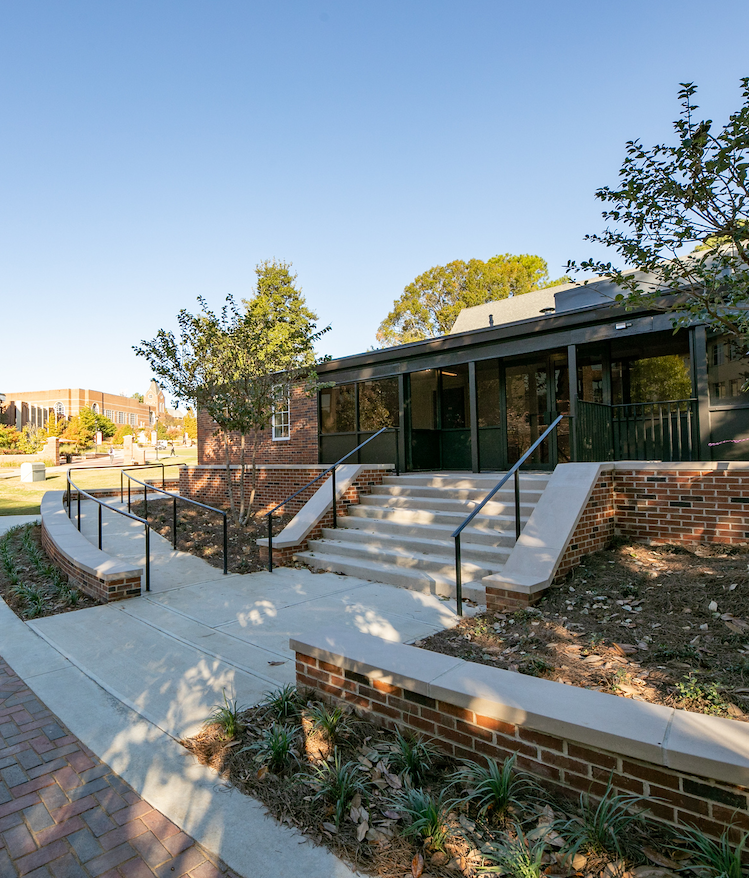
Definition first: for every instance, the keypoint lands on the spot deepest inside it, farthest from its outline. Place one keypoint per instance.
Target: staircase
(400, 534)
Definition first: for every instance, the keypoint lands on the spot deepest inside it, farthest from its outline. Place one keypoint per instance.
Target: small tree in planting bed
(237, 364)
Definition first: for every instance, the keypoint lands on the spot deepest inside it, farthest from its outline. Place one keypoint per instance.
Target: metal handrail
(332, 468)
(514, 471)
(176, 497)
(127, 514)
(140, 468)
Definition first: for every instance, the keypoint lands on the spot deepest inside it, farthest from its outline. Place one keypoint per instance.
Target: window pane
(455, 397)
(337, 409)
(487, 393)
(378, 404)
(727, 372)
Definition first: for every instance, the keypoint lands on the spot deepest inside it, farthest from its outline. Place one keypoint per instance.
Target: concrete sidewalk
(132, 678)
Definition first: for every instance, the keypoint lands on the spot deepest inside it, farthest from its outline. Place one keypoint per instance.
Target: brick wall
(300, 448)
(567, 766)
(274, 483)
(106, 590)
(683, 505)
(595, 528)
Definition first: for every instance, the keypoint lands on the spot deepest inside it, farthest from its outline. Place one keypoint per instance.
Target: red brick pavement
(65, 814)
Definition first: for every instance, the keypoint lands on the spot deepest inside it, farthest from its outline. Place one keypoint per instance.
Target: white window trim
(286, 410)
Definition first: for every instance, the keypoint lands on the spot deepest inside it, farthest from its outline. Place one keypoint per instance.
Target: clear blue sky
(152, 152)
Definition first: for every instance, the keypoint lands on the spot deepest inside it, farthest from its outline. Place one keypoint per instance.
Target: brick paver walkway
(65, 814)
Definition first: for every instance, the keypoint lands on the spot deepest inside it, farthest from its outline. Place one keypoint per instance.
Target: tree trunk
(253, 486)
(242, 444)
(229, 485)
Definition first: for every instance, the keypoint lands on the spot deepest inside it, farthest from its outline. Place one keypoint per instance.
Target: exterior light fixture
(622, 325)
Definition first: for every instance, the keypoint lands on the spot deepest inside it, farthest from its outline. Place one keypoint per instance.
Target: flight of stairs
(401, 533)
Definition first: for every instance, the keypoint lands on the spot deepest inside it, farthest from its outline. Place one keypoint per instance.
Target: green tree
(120, 433)
(235, 364)
(32, 439)
(430, 304)
(161, 430)
(9, 437)
(670, 197)
(191, 424)
(94, 422)
(138, 397)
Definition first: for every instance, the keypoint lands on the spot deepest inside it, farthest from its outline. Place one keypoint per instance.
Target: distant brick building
(33, 407)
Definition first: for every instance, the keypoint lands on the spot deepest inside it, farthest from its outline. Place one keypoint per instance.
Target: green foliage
(137, 396)
(227, 717)
(428, 816)
(234, 364)
(430, 304)
(78, 433)
(719, 859)
(657, 378)
(9, 437)
(707, 695)
(191, 424)
(93, 422)
(675, 196)
(161, 431)
(496, 788)
(605, 828)
(333, 721)
(122, 431)
(31, 440)
(413, 755)
(518, 856)
(275, 749)
(284, 703)
(338, 783)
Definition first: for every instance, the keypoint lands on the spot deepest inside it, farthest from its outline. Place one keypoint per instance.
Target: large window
(727, 372)
(338, 409)
(378, 404)
(59, 410)
(281, 418)
(655, 369)
(487, 393)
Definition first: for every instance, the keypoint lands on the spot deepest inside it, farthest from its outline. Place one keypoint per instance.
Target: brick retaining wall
(675, 797)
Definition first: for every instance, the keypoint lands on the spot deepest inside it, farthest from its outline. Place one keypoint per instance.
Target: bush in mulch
(663, 624)
(30, 583)
(393, 805)
(201, 532)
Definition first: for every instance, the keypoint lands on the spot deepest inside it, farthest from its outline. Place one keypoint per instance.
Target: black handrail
(269, 515)
(128, 514)
(514, 471)
(176, 497)
(141, 467)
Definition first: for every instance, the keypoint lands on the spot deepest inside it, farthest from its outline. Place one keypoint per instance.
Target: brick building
(33, 407)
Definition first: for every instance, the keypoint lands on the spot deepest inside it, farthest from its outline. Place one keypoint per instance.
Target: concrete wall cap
(698, 744)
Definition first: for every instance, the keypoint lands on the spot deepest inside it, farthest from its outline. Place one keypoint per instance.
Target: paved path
(64, 813)
(132, 678)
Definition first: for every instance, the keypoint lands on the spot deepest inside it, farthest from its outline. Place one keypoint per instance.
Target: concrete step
(424, 516)
(504, 495)
(493, 557)
(398, 556)
(384, 526)
(390, 574)
(470, 481)
(446, 504)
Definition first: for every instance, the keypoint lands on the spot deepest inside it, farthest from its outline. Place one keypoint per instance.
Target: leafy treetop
(430, 304)
(670, 197)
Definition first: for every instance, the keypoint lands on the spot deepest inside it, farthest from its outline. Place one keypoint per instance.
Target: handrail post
(397, 454)
(70, 514)
(270, 542)
(517, 504)
(122, 494)
(128, 493)
(145, 500)
(174, 523)
(100, 508)
(226, 543)
(335, 503)
(148, 558)
(458, 577)
(79, 511)
(163, 477)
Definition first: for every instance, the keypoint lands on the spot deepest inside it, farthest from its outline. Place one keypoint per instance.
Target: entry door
(440, 434)
(536, 392)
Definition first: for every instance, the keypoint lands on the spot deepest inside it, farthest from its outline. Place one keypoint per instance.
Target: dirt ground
(663, 624)
(371, 831)
(201, 532)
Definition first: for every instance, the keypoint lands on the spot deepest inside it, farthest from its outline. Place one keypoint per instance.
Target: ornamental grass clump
(517, 856)
(337, 783)
(718, 859)
(427, 816)
(413, 756)
(276, 749)
(496, 789)
(285, 703)
(226, 717)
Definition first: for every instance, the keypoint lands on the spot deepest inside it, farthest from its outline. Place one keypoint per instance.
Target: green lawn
(24, 498)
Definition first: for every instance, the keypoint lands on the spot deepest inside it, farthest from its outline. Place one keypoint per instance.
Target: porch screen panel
(489, 415)
(338, 409)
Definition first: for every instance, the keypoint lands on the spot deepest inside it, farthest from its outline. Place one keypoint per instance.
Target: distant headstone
(99, 437)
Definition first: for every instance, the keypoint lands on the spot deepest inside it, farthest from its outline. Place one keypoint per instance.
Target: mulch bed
(662, 624)
(30, 584)
(372, 829)
(201, 532)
